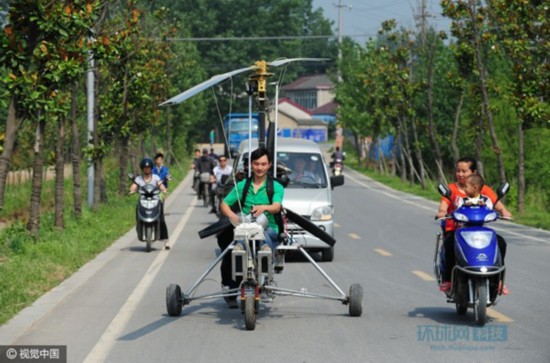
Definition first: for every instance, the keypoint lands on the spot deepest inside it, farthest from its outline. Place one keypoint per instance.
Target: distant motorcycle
(337, 167)
(148, 214)
(478, 276)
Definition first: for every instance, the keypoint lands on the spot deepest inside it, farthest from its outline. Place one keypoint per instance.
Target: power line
(281, 37)
(223, 39)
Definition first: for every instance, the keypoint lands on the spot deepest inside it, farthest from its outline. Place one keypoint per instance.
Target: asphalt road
(113, 309)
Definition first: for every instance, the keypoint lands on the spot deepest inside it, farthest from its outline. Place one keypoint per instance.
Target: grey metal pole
(90, 116)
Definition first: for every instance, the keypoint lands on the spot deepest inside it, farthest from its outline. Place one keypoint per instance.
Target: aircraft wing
(204, 85)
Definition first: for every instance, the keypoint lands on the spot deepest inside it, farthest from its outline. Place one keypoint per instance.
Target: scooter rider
(148, 177)
(205, 165)
(465, 167)
(220, 171)
(337, 155)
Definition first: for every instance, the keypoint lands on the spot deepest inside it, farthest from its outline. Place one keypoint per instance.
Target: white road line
(391, 195)
(518, 234)
(354, 236)
(105, 344)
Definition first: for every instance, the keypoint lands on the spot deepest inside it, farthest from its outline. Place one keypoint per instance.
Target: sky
(362, 18)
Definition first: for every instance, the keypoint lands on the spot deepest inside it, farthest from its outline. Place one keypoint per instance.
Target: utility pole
(340, 6)
(90, 117)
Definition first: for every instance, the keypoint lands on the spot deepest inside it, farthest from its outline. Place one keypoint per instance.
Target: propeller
(204, 85)
(224, 224)
(310, 227)
(222, 77)
(216, 228)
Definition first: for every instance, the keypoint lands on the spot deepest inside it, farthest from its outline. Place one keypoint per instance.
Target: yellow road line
(354, 236)
(500, 317)
(337, 225)
(383, 252)
(424, 276)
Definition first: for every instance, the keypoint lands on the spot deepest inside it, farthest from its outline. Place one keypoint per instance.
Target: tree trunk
(408, 153)
(521, 168)
(33, 225)
(59, 174)
(168, 138)
(123, 167)
(418, 153)
(13, 124)
(431, 125)
(485, 95)
(454, 136)
(75, 155)
(403, 169)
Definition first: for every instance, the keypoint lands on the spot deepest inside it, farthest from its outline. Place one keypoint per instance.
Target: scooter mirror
(131, 176)
(444, 190)
(503, 189)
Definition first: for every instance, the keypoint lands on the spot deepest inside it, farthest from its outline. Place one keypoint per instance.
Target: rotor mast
(259, 83)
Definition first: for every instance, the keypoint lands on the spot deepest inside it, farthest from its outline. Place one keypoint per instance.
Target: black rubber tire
(249, 312)
(173, 300)
(355, 300)
(205, 195)
(327, 254)
(461, 309)
(480, 303)
(148, 238)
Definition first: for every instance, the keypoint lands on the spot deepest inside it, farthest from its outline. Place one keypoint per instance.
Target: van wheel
(327, 254)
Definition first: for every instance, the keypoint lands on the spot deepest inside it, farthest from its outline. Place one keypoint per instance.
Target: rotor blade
(282, 61)
(310, 227)
(204, 85)
(215, 228)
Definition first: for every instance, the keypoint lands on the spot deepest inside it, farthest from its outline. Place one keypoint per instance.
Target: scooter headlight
(477, 239)
(149, 203)
(491, 217)
(322, 214)
(460, 217)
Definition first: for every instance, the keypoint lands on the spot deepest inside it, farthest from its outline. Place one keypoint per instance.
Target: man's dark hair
(470, 160)
(197, 150)
(258, 153)
(159, 155)
(337, 148)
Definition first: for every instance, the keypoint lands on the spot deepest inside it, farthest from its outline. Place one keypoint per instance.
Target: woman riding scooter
(148, 177)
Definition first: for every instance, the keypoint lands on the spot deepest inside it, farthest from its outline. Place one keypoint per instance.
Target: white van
(309, 191)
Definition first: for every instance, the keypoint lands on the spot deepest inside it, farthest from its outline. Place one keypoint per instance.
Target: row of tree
(139, 54)
(483, 93)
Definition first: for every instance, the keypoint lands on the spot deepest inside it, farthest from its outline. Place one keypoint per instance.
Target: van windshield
(307, 169)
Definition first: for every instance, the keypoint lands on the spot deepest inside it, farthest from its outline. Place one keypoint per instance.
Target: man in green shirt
(257, 199)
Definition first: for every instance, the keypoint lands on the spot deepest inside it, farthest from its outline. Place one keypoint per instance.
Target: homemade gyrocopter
(250, 264)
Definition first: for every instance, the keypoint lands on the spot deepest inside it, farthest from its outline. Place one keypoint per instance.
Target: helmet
(146, 162)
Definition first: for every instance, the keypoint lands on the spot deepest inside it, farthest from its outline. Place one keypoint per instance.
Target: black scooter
(150, 224)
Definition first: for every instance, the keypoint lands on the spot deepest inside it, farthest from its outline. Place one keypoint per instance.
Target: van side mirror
(336, 181)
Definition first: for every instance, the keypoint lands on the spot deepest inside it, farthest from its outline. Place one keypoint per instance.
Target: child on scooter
(472, 187)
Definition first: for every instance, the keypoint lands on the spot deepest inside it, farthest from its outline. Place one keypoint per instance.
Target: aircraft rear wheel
(173, 300)
(355, 300)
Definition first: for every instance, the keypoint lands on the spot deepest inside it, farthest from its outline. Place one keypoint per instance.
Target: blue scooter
(478, 276)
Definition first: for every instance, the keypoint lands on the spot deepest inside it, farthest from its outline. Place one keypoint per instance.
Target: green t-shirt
(258, 198)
